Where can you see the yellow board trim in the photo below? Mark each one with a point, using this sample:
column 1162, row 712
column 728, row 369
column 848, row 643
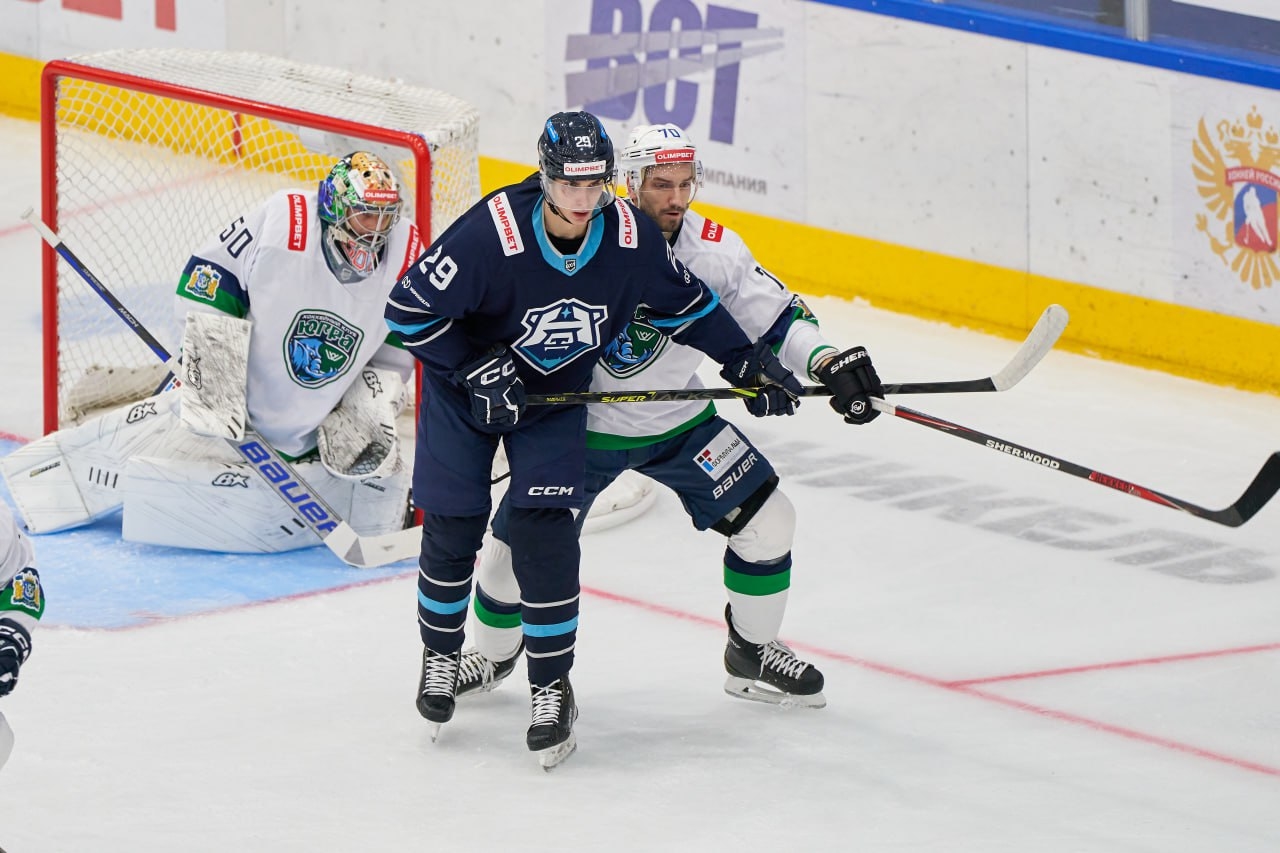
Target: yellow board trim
column 1148, row 333
column 20, row 94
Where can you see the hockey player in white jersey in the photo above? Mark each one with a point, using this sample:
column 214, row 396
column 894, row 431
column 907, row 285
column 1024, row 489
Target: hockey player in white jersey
column 21, row 605
column 283, row 333
column 725, row 483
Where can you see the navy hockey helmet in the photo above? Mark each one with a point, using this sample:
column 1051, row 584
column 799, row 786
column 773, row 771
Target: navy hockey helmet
column 574, row 148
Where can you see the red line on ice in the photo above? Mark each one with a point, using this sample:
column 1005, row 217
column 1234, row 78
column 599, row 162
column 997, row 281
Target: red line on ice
column 966, row 689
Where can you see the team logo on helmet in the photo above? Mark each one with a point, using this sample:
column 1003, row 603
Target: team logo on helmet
column 231, row 478
column 203, row 282
column 557, row 334
column 633, row 349
column 319, row 347
column 1242, row 197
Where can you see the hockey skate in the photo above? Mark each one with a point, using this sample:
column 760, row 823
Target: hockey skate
column 437, row 688
column 551, row 736
column 479, row 674
column 769, row 673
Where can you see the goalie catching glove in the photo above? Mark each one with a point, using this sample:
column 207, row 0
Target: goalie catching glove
column 852, row 381
column 358, row 438
column 779, row 392
column 494, row 388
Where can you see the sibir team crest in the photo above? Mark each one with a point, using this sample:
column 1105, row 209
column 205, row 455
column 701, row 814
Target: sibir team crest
column 319, row 347
column 557, row 334
column 1239, row 182
column 634, row 348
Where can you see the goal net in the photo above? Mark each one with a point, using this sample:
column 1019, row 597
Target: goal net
column 147, row 154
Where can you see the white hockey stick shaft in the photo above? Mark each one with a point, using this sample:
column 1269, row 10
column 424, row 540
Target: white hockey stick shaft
column 364, row 552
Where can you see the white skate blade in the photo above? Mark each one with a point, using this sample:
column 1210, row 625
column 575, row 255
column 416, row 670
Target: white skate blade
column 434, row 728
column 754, row 691
column 552, row 756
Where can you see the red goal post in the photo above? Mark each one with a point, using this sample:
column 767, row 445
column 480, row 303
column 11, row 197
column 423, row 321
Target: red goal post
column 146, row 154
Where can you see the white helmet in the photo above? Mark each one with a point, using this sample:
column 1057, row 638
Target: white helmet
column 657, row 145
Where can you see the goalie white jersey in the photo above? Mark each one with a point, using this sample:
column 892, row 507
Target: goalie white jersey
column 642, row 359
column 312, row 333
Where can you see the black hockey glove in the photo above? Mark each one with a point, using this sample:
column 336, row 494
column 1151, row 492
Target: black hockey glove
column 494, row 388
column 15, row 646
column 852, row 379
column 780, row 390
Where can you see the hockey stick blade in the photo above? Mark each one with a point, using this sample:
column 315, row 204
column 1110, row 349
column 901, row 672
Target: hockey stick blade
column 1043, row 335
column 1263, row 487
column 274, row 471
column 371, row 552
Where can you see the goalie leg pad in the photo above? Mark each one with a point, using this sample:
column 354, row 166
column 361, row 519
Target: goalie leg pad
column 73, row 476
column 43, row 487
column 372, row 505
column 207, row 505
column 629, row 496
column 215, row 374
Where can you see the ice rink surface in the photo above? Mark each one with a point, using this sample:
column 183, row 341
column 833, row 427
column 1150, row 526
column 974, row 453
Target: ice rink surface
column 1016, row 660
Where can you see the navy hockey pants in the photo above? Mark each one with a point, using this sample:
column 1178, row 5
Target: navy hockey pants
column 452, row 487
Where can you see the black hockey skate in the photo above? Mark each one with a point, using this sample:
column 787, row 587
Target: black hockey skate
column 769, row 673
column 479, row 674
column 551, row 736
column 437, row 687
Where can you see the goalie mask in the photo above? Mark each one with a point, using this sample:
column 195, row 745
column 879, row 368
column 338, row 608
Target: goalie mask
column 662, row 148
column 359, row 203
column 575, row 159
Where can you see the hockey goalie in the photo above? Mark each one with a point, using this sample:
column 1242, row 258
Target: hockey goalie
column 283, row 334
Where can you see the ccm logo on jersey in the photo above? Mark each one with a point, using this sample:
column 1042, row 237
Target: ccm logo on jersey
column 712, row 231
column 500, row 210
column 550, row 491
column 297, row 222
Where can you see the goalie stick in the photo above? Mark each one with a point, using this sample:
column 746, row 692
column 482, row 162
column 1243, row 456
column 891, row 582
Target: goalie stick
column 1263, row 487
column 1043, row 335
column 363, row 552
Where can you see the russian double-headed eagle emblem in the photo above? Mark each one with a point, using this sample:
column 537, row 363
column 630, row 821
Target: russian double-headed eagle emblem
column 1238, row 182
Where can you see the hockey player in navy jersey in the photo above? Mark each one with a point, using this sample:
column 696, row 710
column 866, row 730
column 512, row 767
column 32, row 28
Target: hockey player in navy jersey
column 521, row 295
column 665, row 441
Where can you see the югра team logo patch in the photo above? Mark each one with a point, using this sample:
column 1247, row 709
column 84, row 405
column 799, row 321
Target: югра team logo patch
column 634, row 349
column 319, row 347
